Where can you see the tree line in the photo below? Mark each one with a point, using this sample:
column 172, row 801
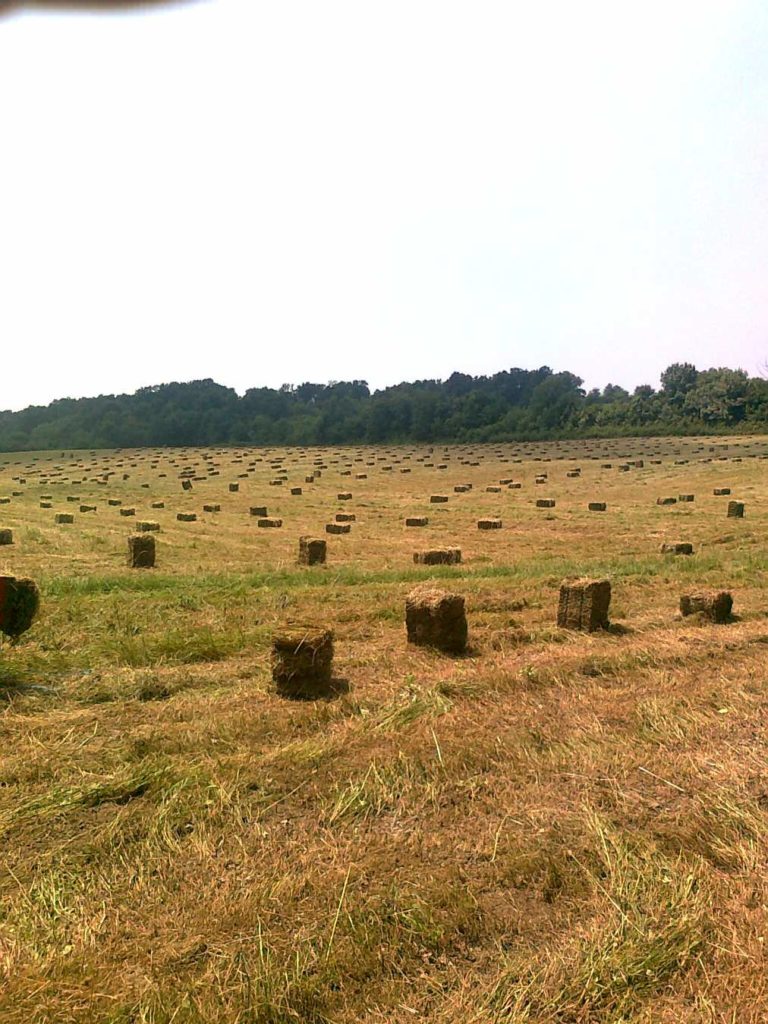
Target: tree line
column 511, row 405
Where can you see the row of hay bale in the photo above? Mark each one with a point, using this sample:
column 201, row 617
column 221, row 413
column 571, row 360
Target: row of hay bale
column 302, row 656
column 735, row 510
column 142, row 551
column 296, row 456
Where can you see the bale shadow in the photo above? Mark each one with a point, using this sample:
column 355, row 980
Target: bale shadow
column 13, row 684
column 470, row 653
column 617, row 629
column 337, row 687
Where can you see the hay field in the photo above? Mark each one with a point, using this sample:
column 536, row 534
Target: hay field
column 557, row 827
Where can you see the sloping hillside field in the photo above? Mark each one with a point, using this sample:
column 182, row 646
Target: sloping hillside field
column 557, row 825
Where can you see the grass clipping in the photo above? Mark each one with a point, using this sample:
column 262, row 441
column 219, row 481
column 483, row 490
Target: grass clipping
column 656, row 926
column 19, row 604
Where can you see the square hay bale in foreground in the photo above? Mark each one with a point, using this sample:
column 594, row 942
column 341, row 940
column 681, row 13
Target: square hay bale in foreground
column 312, row 551
column 436, row 618
column 19, row 604
column 584, row 604
column 141, row 551
column 302, row 661
column 438, row 556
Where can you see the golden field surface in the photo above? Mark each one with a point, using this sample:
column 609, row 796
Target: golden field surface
column 556, row 827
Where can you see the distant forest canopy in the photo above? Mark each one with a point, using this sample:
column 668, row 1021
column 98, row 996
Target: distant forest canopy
column 512, row 405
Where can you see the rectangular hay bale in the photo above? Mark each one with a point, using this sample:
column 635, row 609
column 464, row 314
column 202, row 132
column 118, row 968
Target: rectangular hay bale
column 714, row 605
column 584, row 604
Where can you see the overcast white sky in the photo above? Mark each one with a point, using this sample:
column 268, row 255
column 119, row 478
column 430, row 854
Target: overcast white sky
column 293, row 190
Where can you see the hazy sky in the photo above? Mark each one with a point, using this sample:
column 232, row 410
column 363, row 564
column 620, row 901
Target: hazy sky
column 293, row 190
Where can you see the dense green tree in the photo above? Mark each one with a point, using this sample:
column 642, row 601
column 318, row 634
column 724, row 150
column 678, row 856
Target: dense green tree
column 677, row 380
column 514, row 403
column 718, row 396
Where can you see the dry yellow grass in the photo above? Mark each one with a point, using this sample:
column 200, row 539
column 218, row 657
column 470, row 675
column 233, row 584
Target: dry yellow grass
column 557, row 828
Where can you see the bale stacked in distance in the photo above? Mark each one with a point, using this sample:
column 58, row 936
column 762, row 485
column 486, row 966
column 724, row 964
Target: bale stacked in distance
column 489, row 524
column 584, row 604
column 735, row 509
column 597, row 506
column 338, row 528
column 436, row 618
column 19, row 604
column 438, row 556
column 312, row 551
column 677, row 548
column 713, row 605
column 141, row 551
column 302, row 661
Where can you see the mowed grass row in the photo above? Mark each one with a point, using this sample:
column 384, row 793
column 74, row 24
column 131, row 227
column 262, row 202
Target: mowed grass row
column 557, row 827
